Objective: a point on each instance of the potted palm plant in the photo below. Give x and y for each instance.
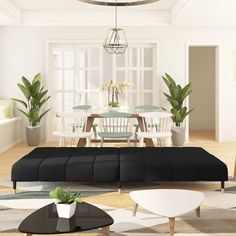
(65, 201)
(179, 111)
(36, 97)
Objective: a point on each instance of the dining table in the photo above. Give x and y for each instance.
(134, 114)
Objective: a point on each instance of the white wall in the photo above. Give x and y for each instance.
(24, 53)
(202, 99)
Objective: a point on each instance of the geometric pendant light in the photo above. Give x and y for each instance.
(115, 42)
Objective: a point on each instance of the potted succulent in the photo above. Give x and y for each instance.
(179, 111)
(36, 97)
(65, 202)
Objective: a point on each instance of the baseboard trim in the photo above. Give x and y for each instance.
(9, 145)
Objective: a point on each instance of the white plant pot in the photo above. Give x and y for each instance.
(178, 135)
(33, 135)
(66, 210)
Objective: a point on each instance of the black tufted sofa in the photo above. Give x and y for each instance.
(119, 165)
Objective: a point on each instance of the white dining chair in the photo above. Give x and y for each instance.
(115, 125)
(156, 125)
(73, 126)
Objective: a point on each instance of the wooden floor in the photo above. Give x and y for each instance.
(225, 151)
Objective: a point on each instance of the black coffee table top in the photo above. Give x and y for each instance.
(46, 221)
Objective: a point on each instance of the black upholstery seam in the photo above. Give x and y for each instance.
(144, 164)
(95, 158)
(53, 150)
(69, 158)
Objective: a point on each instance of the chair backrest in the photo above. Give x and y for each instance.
(156, 122)
(82, 107)
(73, 121)
(115, 122)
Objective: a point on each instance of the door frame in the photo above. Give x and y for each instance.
(218, 81)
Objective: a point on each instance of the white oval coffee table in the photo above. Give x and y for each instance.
(169, 203)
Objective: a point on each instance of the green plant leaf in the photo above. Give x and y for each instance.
(37, 78)
(35, 96)
(41, 94)
(43, 114)
(186, 91)
(170, 79)
(43, 101)
(23, 112)
(34, 116)
(35, 89)
(61, 196)
(176, 99)
(26, 83)
(20, 101)
(25, 91)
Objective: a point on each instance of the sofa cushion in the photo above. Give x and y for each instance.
(132, 165)
(107, 165)
(81, 165)
(27, 168)
(119, 164)
(53, 167)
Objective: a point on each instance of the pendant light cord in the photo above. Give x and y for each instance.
(116, 15)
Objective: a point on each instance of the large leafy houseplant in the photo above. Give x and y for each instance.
(35, 98)
(176, 99)
(35, 95)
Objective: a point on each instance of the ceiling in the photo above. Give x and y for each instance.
(162, 12)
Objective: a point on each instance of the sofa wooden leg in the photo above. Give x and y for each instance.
(222, 186)
(119, 187)
(14, 186)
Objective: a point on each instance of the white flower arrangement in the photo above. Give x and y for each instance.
(114, 89)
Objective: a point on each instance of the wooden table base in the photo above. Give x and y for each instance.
(105, 231)
(135, 209)
(198, 211)
(171, 220)
(172, 226)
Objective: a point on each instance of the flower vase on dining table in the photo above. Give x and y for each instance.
(114, 90)
(113, 99)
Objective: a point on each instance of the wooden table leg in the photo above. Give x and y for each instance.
(172, 226)
(105, 231)
(82, 141)
(198, 212)
(148, 141)
(135, 209)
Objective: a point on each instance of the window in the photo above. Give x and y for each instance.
(77, 70)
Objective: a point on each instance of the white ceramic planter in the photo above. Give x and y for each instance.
(178, 135)
(66, 210)
(33, 135)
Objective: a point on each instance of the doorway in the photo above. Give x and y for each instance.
(203, 74)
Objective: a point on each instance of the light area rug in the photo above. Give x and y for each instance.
(218, 215)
